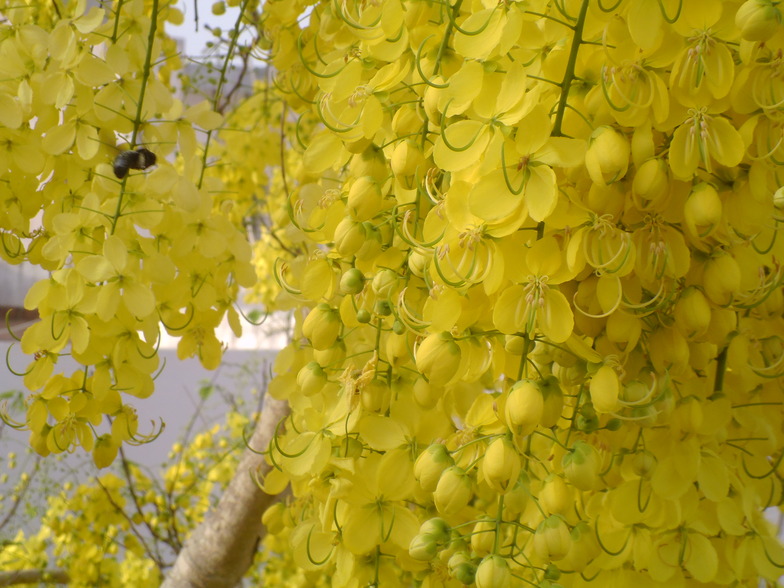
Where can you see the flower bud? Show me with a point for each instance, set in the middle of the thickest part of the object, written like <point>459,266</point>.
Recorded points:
<point>453,491</point>
<point>703,210</point>
<point>331,356</point>
<point>552,539</point>
<point>322,326</point>
<point>553,401</point>
<point>375,396</point>
<point>425,394</point>
<point>311,378</point>
<point>604,388</point>
<point>352,281</point>
<point>417,262</point>
<point>437,528</point>
<point>692,313</point>
<point>651,186</point>
<point>349,237</point>
<point>364,199</point>
<point>438,358</point>
<point>406,159</point>
<point>758,20</point>
<point>607,157</point>
<point>721,278</point>
<point>423,547</point>
<point>501,465</point>
<point>273,518</point>
<point>483,537</point>
<point>371,247</point>
<point>104,452</point>
<point>384,282</point>
<point>584,548</point>
<point>555,496</point>
<point>430,464</point>
<point>461,568</point>
<point>581,466</point>
<point>524,407</point>
<point>643,463</point>
<point>493,572</point>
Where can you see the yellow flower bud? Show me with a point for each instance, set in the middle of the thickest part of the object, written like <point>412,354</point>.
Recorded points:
<point>555,496</point>
<point>104,452</point>
<point>604,388</point>
<point>453,491</point>
<point>651,186</point>
<point>553,401</point>
<point>581,466</point>
<point>692,313</point>
<point>584,548</point>
<point>349,237</point>
<point>352,282</point>
<point>364,199</point>
<point>438,358</point>
<point>702,211</point>
<point>375,396</point>
<point>322,326</point>
<point>483,537</point>
<point>758,20</point>
<point>331,356</point>
<point>437,528</point>
<point>273,518</point>
<point>423,547</point>
<point>407,159</point>
<point>417,262</point>
<point>311,378</point>
<point>524,407</point>
<point>425,394</point>
<point>501,465</point>
<point>430,464</point>
<point>721,278</point>
<point>552,539</point>
<point>607,157</point>
<point>461,568</point>
<point>493,572</point>
<point>384,282</point>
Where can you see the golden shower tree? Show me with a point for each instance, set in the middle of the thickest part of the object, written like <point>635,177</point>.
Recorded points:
<point>532,252</point>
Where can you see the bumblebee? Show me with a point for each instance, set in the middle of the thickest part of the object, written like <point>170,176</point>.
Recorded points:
<point>139,158</point>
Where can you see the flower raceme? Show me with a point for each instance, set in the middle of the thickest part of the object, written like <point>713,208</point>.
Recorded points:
<point>550,238</point>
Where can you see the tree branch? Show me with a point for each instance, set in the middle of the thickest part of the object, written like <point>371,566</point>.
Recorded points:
<point>221,549</point>
<point>48,575</point>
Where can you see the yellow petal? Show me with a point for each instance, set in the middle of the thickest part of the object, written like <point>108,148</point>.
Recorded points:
<point>541,192</point>
<point>555,318</point>
<point>468,138</point>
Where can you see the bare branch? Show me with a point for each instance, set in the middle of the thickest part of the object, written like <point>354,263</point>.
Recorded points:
<point>48,575</point>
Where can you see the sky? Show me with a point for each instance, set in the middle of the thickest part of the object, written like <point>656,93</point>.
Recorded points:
<point>196,40</point>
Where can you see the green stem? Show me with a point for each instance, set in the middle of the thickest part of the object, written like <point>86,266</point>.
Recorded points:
<point>570,67</point>
<point>137,121</point>
<point>721,367</point>
<point>498,522</point>
<point>221,83</point>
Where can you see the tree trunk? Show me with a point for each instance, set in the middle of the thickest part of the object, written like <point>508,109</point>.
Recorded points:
<point>220,550</point>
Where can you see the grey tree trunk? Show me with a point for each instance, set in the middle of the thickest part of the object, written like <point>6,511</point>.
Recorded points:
<point>220,550</point>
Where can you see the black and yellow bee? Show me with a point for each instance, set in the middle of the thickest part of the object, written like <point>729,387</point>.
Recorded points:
<point>139,158</point>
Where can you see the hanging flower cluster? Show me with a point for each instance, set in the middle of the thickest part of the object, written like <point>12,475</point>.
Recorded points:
<point>86,109</point>
<point>536,249</point>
